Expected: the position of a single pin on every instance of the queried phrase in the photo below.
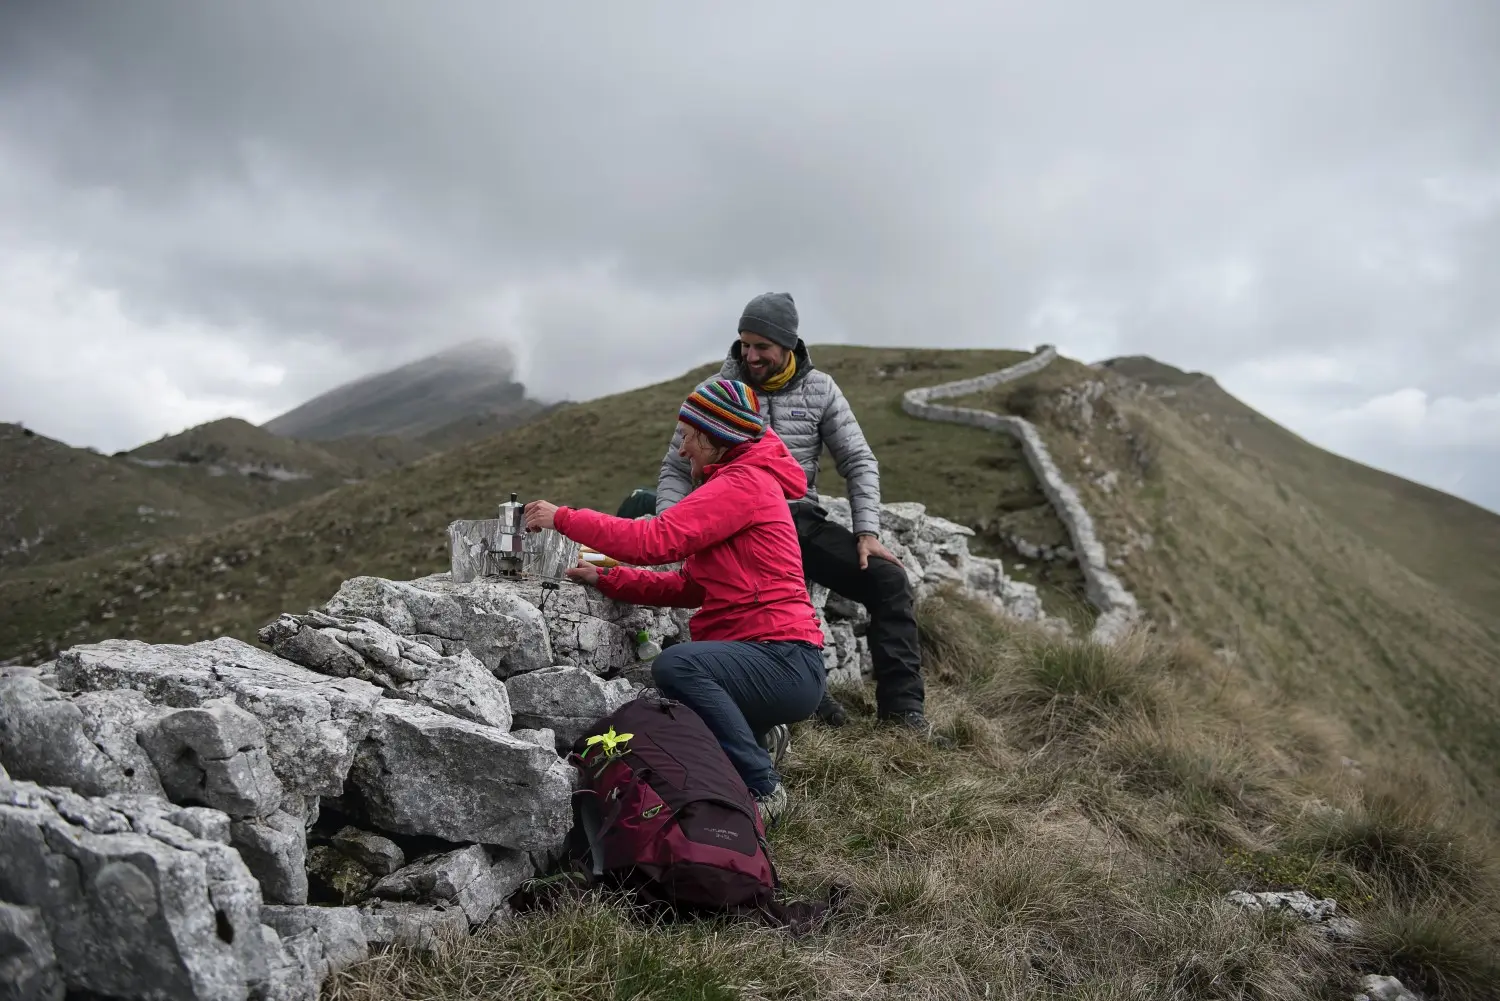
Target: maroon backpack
(665, 813)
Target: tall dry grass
(1078, 843)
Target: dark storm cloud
(1230, 188)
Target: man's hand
(584, 573)
(869, 545)
(539, 515)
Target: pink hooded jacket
(743, 565)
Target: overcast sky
(211, 209)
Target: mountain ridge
(417, 398)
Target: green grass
(1442, 952)
(991, 871)
(1449, 541)
(1400, 837)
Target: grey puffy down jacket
(808, 413)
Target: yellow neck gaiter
(784, 376)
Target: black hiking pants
(830, 556)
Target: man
(806, 408)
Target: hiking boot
(830, 712)
(771, 806)
(777, 741)
(915, 719)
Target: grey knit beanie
(772, 315)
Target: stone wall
(1116, 606)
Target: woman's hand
(540, 515)
(584, 573)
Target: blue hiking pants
(742, 689)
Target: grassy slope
(1449, 541)
(590, 454)
(474, 427)
(83, 503)
(1288, 583)
(1078, 844)
(69, 502)
(231, 440)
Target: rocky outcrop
(1321, 914)
(28, 966)
(489, 620)
(472, 879)
(408, 668)
(313, 723)
(130, 902)
(1374, 987)
(218, 775)
(85, 742)
(425, 772)
(565, 700)
(1116, 606)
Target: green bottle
(645, 647)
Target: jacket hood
(804, 363)
(768, 452)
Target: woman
(756, 658)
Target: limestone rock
(1377, 988)
(840, 652)
(214, 755)
(541, 738)
(425, 772)
(112, 722)
(290, 974)
(275, 850)
(365, 649)
(47, 737)
(134, 906)
(1297, 902)
(1321, 914)
(509, 871)
(566, 700)
(837, 606)
(313, 723)
(466, 690)
(380, 855)
(597, 633)
(900, 519)
(505, 632)
(461, 877)
(336, 934)
(202, 822)
(393, 922)
(28, 967)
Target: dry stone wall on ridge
(1116, 606)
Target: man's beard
(757, 377)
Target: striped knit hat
(725, 410)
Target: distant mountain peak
(468, 379)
